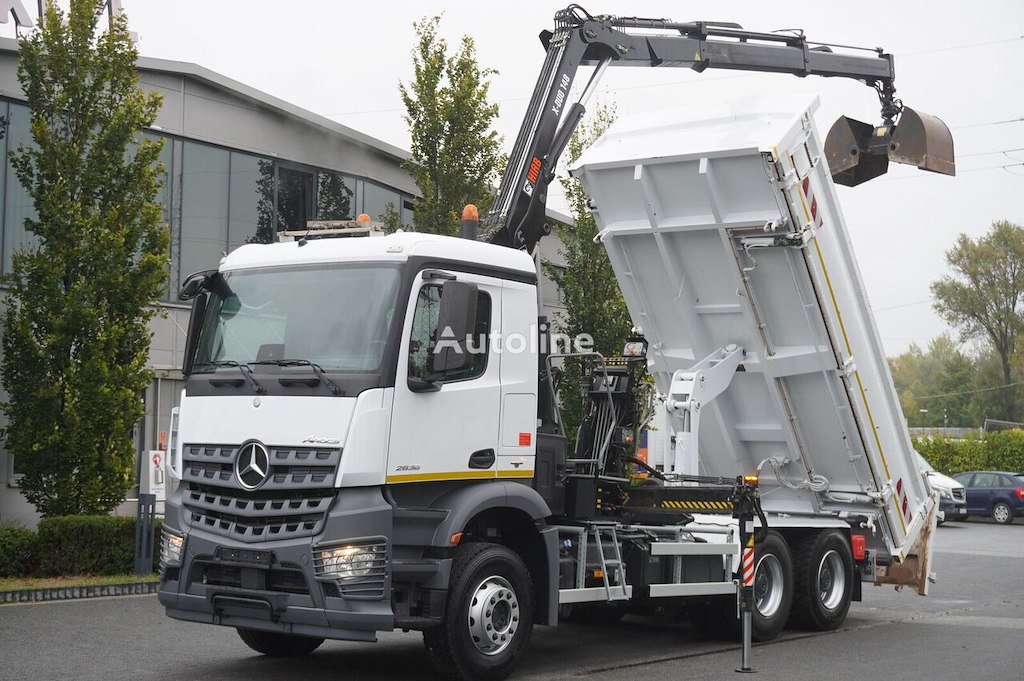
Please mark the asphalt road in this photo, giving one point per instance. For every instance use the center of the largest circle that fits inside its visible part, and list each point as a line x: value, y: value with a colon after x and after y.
x: 970, y: 627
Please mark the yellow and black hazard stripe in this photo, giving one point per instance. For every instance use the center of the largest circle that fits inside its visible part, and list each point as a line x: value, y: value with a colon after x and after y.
x: 698, y: 505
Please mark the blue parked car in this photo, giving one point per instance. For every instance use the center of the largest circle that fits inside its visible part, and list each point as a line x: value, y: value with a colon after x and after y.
x: 994, y: 493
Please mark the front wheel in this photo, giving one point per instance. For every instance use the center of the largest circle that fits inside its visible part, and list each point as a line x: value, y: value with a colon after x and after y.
x: 274, y: 644
x: 1002, y: 513
x: 823, y: 578
x: 488, y: 617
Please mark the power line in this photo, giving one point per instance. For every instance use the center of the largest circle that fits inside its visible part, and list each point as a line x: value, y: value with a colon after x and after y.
x: 959, y: 172
x: 990, y: 153
x: 897, y: 307
x: 960, y: 47
x: 951, y: 48
x: 986, y: 124
x: 969, y: 392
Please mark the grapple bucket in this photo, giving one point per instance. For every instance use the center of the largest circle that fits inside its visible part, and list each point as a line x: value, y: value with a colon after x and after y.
x: 853, y: 155
x: 857, y: 152
x: 924, y: 141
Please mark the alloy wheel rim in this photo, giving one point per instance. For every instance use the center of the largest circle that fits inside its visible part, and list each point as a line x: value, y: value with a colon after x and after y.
x: 768, y: 585
x: 831, y: 580
x: 493, y: 616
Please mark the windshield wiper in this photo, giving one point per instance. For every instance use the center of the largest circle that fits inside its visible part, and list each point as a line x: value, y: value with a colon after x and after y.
x: 244, y: 368
x: 317, y: 369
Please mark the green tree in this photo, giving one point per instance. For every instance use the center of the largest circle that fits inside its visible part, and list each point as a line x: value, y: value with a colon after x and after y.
x: 593, y: 301
x: 935, y: 386
x: 983, y: 297
x: 456, y: 156
x: 76, y: 338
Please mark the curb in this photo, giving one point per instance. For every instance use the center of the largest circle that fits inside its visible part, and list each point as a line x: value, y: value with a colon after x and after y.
x: 63, y: 593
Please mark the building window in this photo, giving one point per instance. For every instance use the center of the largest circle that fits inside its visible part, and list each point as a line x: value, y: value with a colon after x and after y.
x: 251, y: 208
x: 423, y: 338
x: 18, y: 204
x: 14, y: 473
x: 376, y: 200
x: 163, y: 194
x: 407, y: 208
x: 295, y: 198
x: 204, y: 208
x: 334, y: 196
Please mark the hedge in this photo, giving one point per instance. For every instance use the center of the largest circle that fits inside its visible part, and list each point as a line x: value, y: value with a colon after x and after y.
x: 88, y: 545
x: 997, y: 451
x: 19, y: 552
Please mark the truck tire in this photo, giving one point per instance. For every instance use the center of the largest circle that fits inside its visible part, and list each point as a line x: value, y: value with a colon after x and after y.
x: 488, y: 617
x: 1002, y: 513
x: 773, y: 587
x: 773, y: 597
x: 823, y: 581
x: 274, y: 644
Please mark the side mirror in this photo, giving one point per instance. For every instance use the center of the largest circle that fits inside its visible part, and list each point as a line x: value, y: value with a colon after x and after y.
x: 194, y: 284
x: 195, y: 325
x: 455, y: 325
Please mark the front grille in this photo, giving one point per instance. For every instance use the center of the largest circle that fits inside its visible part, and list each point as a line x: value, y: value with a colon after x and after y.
x: 959, y: 493
x: 292, y: 501
x: 284, y: 581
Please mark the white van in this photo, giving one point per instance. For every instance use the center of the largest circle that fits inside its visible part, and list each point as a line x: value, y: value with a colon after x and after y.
x: 952, y: 496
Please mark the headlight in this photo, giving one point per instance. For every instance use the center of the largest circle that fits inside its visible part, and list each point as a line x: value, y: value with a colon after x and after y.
x: 171, y: 545
x: 350, y: 562
x: 944, y: 493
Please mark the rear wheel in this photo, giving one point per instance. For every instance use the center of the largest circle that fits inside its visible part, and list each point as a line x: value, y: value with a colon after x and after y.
x: 1002, y: 513
x: 488, y: 617
x: 823, y: 581
x: 773, y: 597
x: 279, y: 645
x: 773, y: 587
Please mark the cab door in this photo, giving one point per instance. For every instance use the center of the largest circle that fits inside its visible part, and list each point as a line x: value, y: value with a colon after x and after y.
x: 447, y: 430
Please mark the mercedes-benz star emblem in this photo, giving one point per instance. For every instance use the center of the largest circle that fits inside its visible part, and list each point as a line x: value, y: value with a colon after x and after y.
x: 252, y: 465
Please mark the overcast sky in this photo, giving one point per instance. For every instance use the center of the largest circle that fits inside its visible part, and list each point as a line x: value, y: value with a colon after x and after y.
x: 960, y: 61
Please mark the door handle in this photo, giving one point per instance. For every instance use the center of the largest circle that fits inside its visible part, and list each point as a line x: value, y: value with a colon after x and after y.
x: 482, y: 459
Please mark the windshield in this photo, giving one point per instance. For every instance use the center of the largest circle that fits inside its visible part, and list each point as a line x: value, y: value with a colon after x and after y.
x: 923, y: 463
x: 336, y: 317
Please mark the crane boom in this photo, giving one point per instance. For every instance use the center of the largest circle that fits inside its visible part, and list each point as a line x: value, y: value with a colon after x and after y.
x: 517, y: 216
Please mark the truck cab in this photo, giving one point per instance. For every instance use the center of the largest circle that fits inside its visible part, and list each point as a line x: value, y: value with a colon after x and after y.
x: 324, y: 377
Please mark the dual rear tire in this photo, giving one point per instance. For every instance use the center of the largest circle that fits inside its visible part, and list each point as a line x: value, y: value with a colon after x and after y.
x: 807, y: 585
x: 822, y: 581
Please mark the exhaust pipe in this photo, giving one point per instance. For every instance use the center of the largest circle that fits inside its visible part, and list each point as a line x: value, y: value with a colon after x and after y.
x: 857, y: 152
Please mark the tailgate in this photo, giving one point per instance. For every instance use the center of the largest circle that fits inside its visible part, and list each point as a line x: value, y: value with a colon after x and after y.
x: 724, y: 230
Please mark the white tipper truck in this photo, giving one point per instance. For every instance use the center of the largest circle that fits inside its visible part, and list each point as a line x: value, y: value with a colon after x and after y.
x: 367, y: 438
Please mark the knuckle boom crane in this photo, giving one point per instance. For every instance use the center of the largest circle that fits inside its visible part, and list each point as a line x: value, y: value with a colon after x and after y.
x: 856, y: 151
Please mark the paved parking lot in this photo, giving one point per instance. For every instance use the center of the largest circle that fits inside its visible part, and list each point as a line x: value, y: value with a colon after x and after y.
x: 970, y: 627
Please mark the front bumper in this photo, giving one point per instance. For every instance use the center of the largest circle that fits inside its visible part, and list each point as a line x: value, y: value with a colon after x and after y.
x: 953, y: 509
x: 272, y: 585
